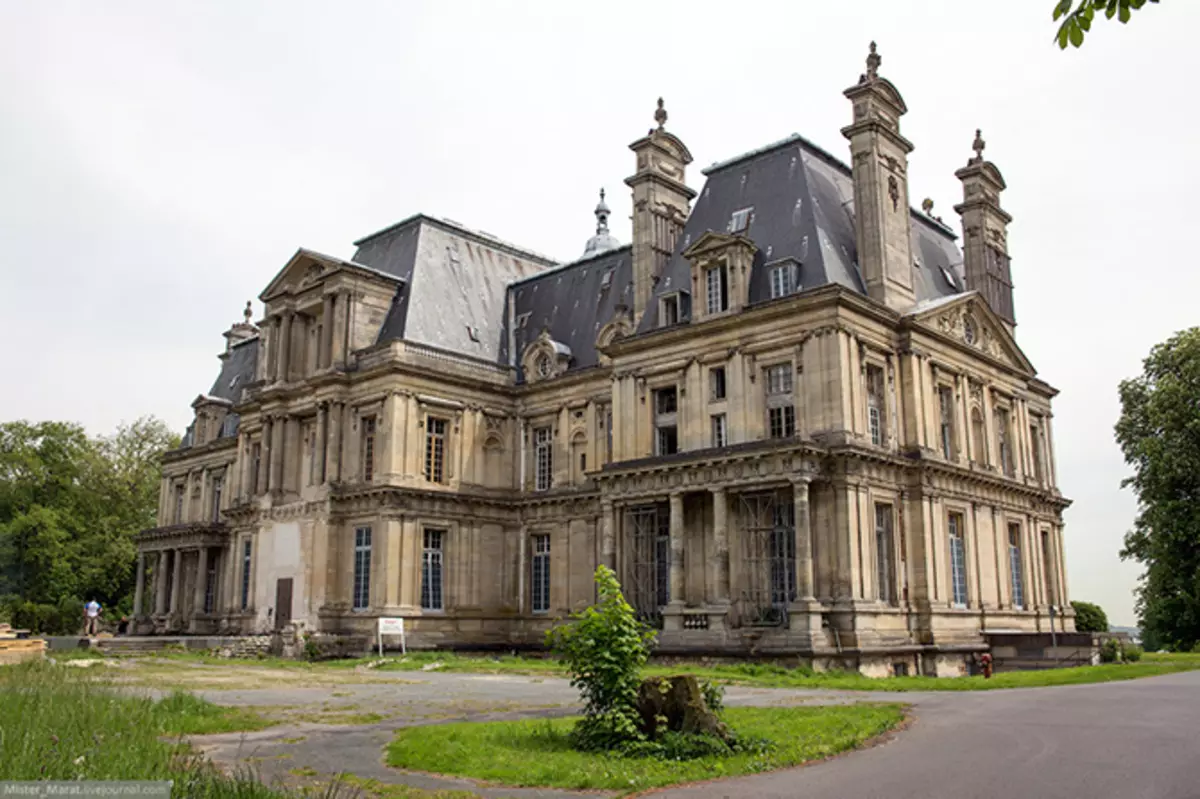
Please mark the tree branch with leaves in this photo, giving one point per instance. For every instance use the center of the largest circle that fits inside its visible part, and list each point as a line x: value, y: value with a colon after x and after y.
x: 1077, y: 16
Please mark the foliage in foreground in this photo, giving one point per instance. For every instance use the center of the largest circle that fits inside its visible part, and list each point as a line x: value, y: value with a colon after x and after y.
x: 604, y: 649
x: 58, y: 725
x: 1089, y: 618
x: 1078, y: 21
x: 70, y: 505
x: 1159, y: 435
x: 539, y: 752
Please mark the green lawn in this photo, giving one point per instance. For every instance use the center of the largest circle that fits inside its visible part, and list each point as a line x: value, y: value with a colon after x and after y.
x: 536, y: 752
x: 57, y: 725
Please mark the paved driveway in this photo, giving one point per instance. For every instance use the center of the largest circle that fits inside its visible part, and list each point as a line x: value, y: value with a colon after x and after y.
x: 1127, y: 739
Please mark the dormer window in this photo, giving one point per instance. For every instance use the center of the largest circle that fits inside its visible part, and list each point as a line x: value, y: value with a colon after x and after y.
x: 740, y: 220
x: 716, y: 288
x: 783, y: 280
x: 670, y: 310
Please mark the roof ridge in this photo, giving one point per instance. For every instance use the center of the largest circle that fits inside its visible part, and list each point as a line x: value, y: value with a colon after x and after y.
x: 479, y: 235
x: 564, y: 267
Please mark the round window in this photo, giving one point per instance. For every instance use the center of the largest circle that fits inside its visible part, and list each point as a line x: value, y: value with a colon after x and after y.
x: 543, y: 366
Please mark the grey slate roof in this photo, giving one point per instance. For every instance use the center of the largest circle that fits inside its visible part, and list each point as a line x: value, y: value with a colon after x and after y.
x: 803, y: 208
x: 572, y: 303
x: 455, y: 284
x: 237, y: 371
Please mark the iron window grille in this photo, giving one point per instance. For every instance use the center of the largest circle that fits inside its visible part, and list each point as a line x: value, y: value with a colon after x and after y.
x: 649, y: 565
x: 539, y: 568
x: 362, y: 568
x: 247, y: 549
x: 431, y: 571
x: 885, y: 554
x: 719, y: 439
x: 768, y: 539
x: 1014, y: 566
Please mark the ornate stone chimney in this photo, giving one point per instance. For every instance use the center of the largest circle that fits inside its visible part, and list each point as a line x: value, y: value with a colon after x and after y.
x: 241, y: 330
x: 985, y: 234
x: 879, y: 155
x: 661, y: 202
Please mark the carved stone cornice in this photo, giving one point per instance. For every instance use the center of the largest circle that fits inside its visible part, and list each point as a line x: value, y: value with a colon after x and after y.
x: 182, y: 536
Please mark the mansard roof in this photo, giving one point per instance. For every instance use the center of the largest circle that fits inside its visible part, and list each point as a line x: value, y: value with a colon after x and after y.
x: 801, y: 203
x: 238, y: 367
x: 572, y: 304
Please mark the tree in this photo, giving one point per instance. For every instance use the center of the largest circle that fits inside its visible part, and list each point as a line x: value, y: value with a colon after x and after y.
x: 1078, y: 21
x: 70, y: 506
x: 1089, y: 618
x: 1159, y: 435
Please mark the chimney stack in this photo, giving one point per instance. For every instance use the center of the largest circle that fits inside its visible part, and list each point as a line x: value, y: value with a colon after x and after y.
x: 985, y: 234
x: 661, y: 202
x: 879, y: 155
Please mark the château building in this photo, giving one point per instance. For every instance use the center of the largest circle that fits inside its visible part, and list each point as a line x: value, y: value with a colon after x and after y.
x: 791, y: 415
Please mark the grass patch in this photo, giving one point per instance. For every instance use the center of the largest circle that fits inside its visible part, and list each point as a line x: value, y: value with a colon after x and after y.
x: 339, y: 718
x: 57, y: 726
x: 536, y: 752
x: 382, y: 790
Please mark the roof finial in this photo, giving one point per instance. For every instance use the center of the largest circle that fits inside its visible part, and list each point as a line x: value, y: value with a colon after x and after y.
x: 978, y: 146
x: 660, y: 115
x: 246, y: 314
x: 873, y: 62
x: 602, y: 212
x: 927, y: 206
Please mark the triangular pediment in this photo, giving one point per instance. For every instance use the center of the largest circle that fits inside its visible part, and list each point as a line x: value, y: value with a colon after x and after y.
x: 970, y: 322
x: 308, y: 267
x: 711, y: 241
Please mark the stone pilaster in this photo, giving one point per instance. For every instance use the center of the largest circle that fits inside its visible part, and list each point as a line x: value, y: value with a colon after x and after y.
x: 140, y: 585
x: 676, y: 540
x: 176, y: 580
x: 721, y: 544
x: 201, y: 584
x: 160, y: 584
x: 608, y: 541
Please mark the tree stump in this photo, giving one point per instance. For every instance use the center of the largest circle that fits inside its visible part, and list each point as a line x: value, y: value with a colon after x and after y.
x: 679, y: 701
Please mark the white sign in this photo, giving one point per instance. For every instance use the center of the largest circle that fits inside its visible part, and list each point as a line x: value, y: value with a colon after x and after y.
x: 392, y: 627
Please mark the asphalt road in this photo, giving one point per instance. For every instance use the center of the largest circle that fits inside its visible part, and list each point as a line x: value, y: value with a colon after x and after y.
x: 1133, y: 740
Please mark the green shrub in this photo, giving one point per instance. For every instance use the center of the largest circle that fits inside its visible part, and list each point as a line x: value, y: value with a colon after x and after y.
x: 1133, y: 653
x: 64, y: 618
x: 714, y: 695
x: 1110, y: 651
x: 604, y: 649
x: 1090, y: 618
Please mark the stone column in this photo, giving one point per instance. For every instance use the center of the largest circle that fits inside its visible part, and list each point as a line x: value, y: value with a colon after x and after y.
x: 608, y: 541
x: 278, y: 426
x: 284, y: 361
x: 721, y: 542
x: 676, y: 538
x: 291, y: 456
x: 339, y: 333
x: 804, y: 559
x: 333, y: 444
x: 176, y: 579
x: 272, y: 354
x: 324, y: 346
x: 140, y: 586
x: 264, y: 455
x: 160, y: 584
x: 322, y: 450
x: 198, y: 590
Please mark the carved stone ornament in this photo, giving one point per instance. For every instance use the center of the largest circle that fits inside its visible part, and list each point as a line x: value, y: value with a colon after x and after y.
x: 545, y: 358
x: 966, y: 326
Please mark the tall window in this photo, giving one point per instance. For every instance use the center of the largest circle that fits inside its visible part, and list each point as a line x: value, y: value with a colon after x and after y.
x: 719, y: 439
x: 670, y: 310
x: 716, y: 384
x: 210, y: 586
x: 716, y: 286
x: 179, y: 492
x: 246, y: 552
x: 255, y: 464
x: 958, y: 560
x: 539, y: 567
x: 783, y: 280
x: 781, y: 403
x: 666, y: 418
x: 1035, y: 441
x: 543, y: 444
x: 431, y: 570
x: 368, y: 449
x: 946, y: 407
x: 885, y: 554
x: 1003, y: 443
x: 218, y: 485
x: 362, y: 568
x: 979, y: 436
x: 1014, y: 566
x: 875, y: 404
x: 435, y: 449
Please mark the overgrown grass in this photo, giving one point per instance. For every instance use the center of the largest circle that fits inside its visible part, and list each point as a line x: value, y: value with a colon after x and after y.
x: 56, y: 725
x: 537, y: 753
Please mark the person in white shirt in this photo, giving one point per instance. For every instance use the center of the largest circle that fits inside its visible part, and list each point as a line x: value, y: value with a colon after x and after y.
x: 91, y: 618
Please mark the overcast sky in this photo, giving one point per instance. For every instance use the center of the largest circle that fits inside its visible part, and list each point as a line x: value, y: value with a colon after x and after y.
x: 160, y: 162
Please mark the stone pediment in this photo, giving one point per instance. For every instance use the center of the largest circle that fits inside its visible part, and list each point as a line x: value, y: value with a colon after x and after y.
x: 309, y: 268
x: 711, y: 242
x: 968, y: 320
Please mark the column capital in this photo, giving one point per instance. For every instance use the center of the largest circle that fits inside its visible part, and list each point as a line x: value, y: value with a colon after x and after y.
x: 715, y: 490
x: 801, y: 480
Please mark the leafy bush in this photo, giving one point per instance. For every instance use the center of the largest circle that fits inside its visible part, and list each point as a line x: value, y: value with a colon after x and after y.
x: 1110, y: 651
x: 604, y: 649
x: 714, y: 695
x: 1090, y: 618
x: 65, y: 618
x: 1133, y: 653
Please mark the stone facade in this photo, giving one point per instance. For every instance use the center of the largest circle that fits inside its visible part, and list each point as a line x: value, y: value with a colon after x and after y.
x: 798, y: 431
